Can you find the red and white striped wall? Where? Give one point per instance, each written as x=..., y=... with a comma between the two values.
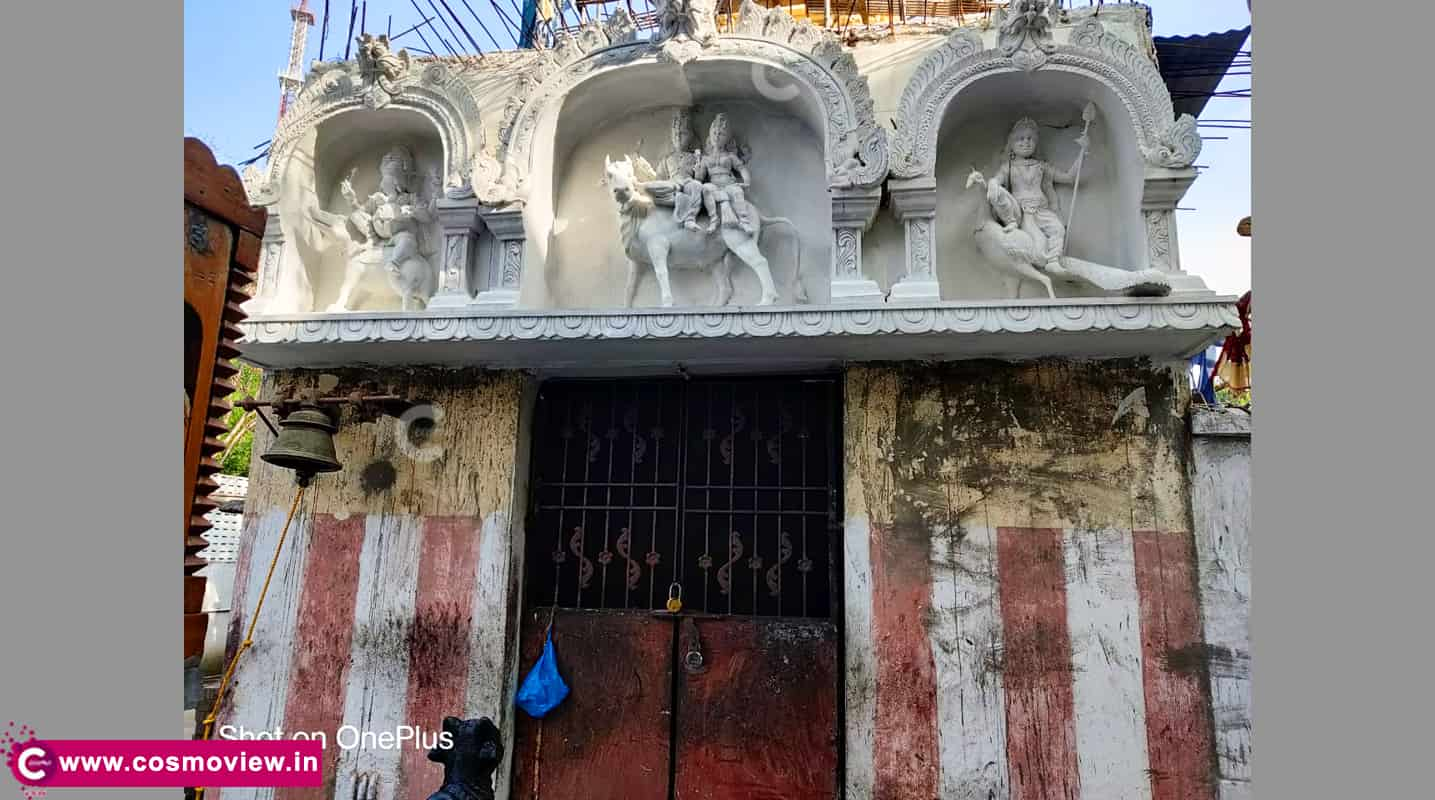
x=374, y=621
x=1025, y=664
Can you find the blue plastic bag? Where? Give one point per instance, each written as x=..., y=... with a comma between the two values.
x=544, y=688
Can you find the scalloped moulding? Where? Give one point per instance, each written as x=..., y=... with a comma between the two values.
x=775, y=338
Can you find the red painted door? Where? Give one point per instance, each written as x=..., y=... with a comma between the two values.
x=609, y=739
x=724, y=492
x=757, y=711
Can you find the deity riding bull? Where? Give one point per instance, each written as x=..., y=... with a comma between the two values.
x=658, y=214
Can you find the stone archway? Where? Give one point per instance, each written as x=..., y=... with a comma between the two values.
x=963, y=59
x=768, y=42
x=434, y=89
x=1168, y=144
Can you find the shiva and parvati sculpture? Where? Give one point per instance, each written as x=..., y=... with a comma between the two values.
x=692, y=213
x=384, y=234
x=1020, y=231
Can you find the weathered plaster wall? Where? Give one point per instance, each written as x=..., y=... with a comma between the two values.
x=393, y=601
x=1221, y=509
x=1022, y=609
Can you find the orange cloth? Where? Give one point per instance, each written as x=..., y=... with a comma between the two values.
x=1233, y=366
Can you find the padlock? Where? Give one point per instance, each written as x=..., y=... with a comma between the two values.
x=693, y=660
x=675, y=598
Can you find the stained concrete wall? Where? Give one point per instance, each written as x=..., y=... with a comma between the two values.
x=1022, y=612
x=1027, y=611
x=393, y=600
x=1221, y=509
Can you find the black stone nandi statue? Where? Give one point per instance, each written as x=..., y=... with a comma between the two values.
x=469, y=764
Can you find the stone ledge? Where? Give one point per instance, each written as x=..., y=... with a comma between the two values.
x=1208, y=421
x=777, y=338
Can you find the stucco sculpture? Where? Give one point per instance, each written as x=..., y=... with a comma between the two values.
x=692, y=19
x=658, y=214
x=685, y=28
x=1025, y=20
x=383, y=234
x=379, y=64
x=677, y=184
x=1025, y=33
x=723, y=170
x=1021, y=233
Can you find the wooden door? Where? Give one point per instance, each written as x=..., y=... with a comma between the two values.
x=609, y=739
x=757, y=719
x=726, y=492
x=221, y=252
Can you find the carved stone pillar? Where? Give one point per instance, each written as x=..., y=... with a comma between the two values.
x=1161, y=192
x=852, y=213
x=271, y=261
x=499, y=282
x=460, y=222
x=914, y=201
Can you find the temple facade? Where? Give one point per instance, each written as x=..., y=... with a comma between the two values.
x=823, y=400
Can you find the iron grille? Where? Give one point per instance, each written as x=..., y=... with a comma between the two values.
x=728, y=488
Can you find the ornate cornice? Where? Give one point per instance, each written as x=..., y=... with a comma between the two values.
x=1092, y=51
x=1092, y=328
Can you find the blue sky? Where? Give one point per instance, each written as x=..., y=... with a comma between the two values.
x=235, y=49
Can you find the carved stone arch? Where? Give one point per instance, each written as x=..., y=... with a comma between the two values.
x=1092, y=52
x=856, y=148
x=435, y=90
x=516, y=173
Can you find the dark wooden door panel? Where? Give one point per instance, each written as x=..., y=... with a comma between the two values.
x=758, y=722
x=609, y=740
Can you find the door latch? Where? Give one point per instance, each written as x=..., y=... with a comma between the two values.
x=693, y=660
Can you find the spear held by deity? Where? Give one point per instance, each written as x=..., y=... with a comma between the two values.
x=1087, y=115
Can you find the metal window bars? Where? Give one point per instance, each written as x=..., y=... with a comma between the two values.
x=727, y=487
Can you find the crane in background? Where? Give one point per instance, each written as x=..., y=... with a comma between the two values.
x=293, y=75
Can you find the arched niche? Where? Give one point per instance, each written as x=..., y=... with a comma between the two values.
x=434, y=90
x=630, y=112
x=966, y=91
x=1107, y=225
x=799, y=76
x=309, y=268
x=1090, y=51
x=341, y=115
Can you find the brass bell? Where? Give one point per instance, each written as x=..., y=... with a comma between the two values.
x=305, y=443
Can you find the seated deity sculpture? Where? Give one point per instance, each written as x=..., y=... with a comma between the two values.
x=385, y=232
x=724, y=165
x=710, y=180
x=677, y=184
x=1032, y=183
x=1021, y=233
